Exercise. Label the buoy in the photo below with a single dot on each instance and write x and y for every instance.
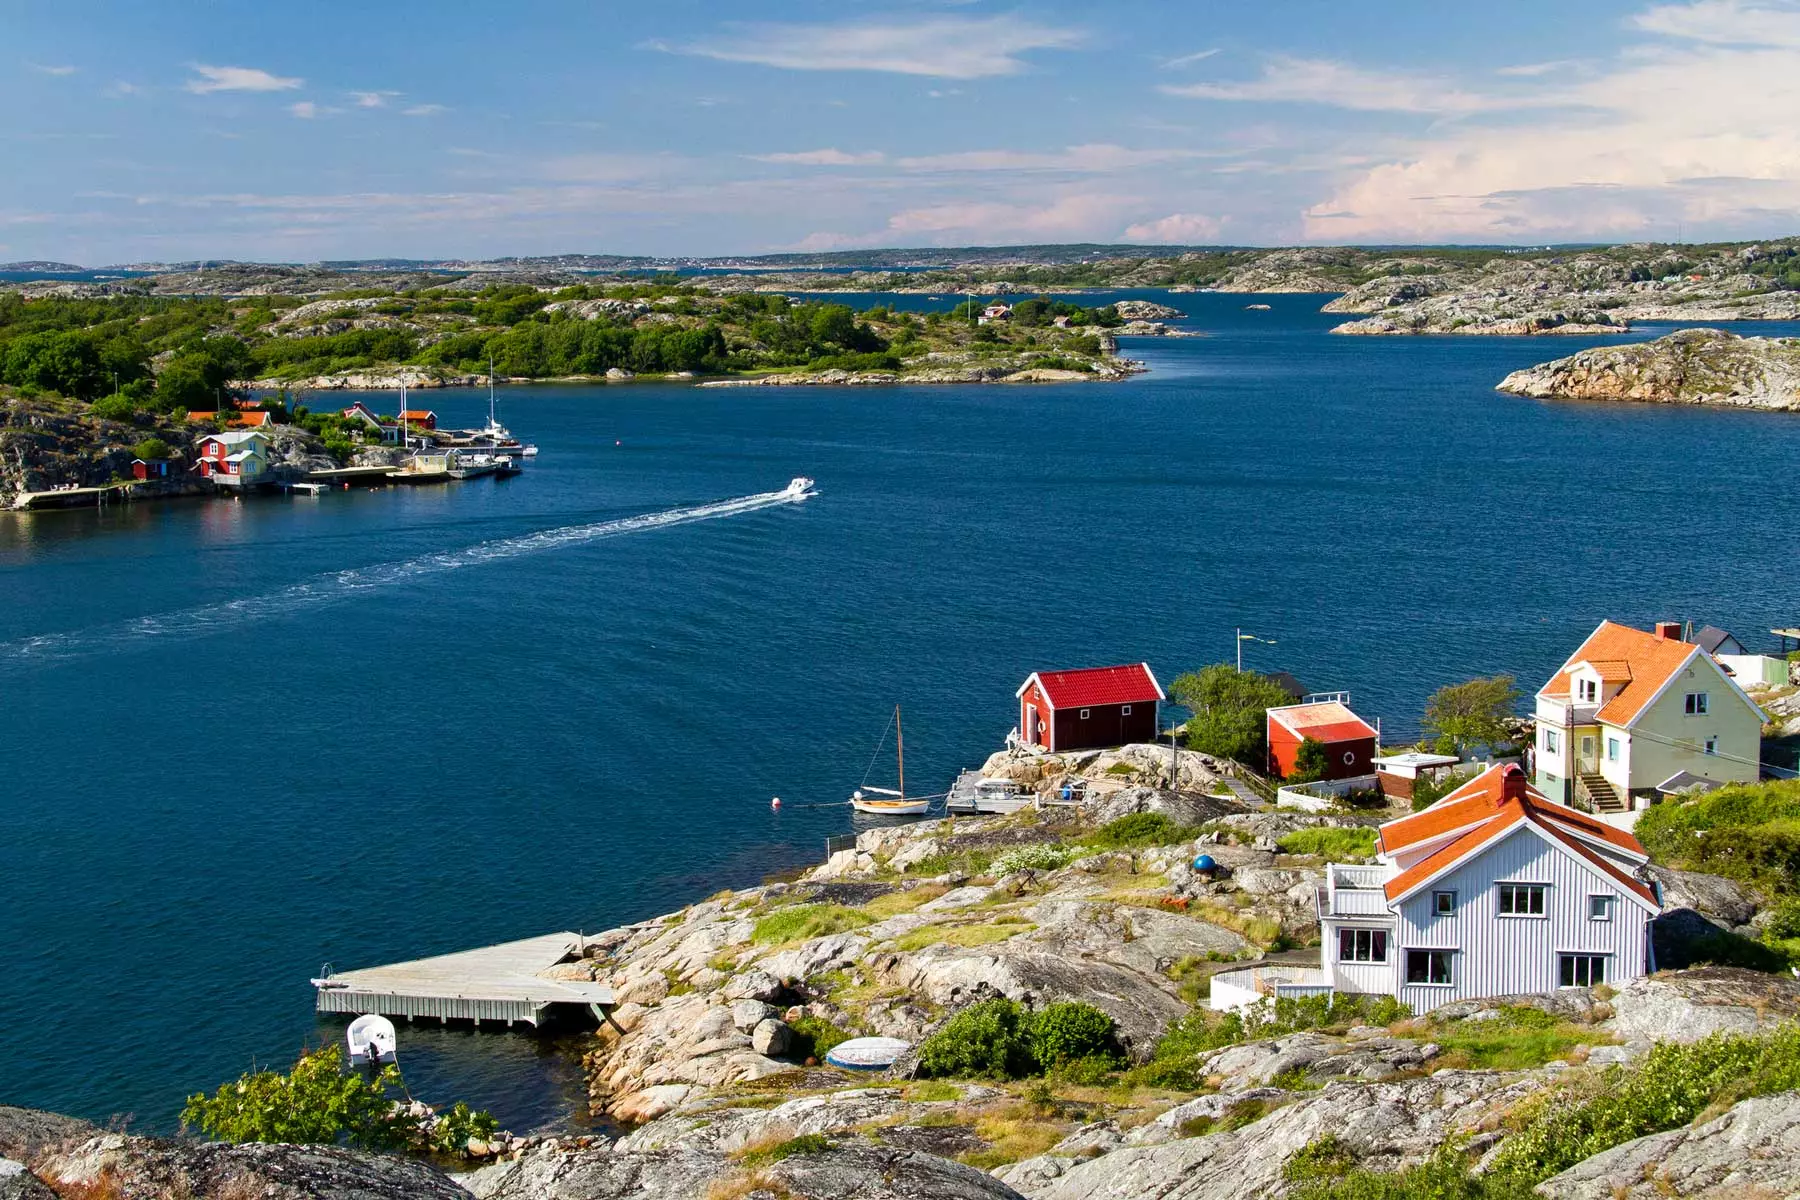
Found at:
(775, 803)
(1204, 863)
(618, 443)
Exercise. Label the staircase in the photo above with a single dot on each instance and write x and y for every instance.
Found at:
(1600, 794)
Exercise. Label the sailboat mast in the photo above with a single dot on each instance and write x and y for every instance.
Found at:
(900, 745)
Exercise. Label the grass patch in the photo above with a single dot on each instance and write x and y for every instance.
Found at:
(813, 1037)
(954, 862)
(931, 1091)
(803, 921)
(1001, 928)
(1174, 1062)
(1016, 1132)
(1264, 931)
(1518, 1038)
(773, 1152)
(1139, 831)
(1354, 842)
(893, 904)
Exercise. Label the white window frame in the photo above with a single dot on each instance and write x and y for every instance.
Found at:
(1508, 894)
(1612, 749)
(1084, 714)
(1579, 963)
(1552, 744)
(1443, 904)
(1363, 945)
(1695, 704)
(1124, 710)
(1590, 690)
(1599, 907)
(1449, 972)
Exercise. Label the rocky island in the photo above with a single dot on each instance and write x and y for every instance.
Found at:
(1692, 366)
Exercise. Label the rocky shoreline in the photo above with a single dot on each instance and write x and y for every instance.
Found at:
(1693, 366)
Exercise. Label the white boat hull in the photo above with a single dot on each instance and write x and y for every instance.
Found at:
(892, 808)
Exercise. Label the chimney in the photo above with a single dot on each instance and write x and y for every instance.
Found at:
(1512, 783)
(1669, 631)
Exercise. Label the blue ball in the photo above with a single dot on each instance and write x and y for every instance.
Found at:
(1204, 863)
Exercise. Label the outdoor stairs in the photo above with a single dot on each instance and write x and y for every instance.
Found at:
(1602, 793)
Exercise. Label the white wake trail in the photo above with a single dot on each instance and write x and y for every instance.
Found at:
(339, 585)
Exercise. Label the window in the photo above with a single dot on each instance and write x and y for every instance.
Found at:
(1552, 743)
(1587, 746)
(1443, 903)
(1590, 691)
(1084, 714)
(1612, 749)
(1599, 908)
(1694, 704)
(1362, 945)
(1124, 710)
(1581, 970)
(1522, 899)
(1428, 966)
(1712, 745)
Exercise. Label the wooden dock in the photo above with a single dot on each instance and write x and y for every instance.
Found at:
(79, 497)
(361, 476)
(495, 983)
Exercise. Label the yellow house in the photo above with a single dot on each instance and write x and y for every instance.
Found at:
(1630, 709)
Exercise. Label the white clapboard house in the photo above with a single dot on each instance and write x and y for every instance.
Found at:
(1494, 890)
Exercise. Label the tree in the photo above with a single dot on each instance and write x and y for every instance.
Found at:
(1309, 762)
(1228, 707)
(151, 448)
(1479, 712)
(317, 1103)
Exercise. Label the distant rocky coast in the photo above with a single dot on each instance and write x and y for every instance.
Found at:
(1692, 366)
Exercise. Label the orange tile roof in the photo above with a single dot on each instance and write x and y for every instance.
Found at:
(1489, 805)
(1647, 660)
(417, 414)
(1326, 721)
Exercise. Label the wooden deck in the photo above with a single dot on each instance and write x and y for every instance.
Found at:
(81, 497)
(495, 983)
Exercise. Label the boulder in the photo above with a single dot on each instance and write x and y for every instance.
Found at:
(1685, 1006)
(1751, 1150)
(1712, 896)
(26, 1133)
(770, 1038)
(16, 1183)
(754, 984)
(746, 1015)
(728, 1130)
(133, 1168)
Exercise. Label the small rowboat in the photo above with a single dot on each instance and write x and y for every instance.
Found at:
(867, 1053)
(900, 806)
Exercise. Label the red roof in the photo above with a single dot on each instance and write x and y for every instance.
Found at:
(1093, 686)
(1327, 721)
(1489, 805)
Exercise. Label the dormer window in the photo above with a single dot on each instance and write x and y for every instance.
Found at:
(1589, 689)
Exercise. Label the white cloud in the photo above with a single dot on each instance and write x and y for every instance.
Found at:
(424, 110)
(1188, 60)
(1321, 81)
(45, 69)
(1533, 70)
(830, 157)
(949, 47)
(1075, 216)
(238, 79)
(1176, 229)
(118, 89)
(1099, 158)
(306, 110)
(372, 99)
(1724, 23)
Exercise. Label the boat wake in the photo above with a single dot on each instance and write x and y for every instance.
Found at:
(341, 585)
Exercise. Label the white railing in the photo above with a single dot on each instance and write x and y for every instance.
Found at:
(1354, 891)
(1566, 715)
(1243, 989)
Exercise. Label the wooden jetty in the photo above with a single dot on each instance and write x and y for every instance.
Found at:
(494, 983)
(77, 497)
(360, 476)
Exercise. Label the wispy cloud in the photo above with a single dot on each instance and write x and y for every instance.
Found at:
(1724, 23)
(1188, 60)
(372, 99)
(47, 69)
(238, 79)
(823, 158)
(118, 89)
(1322, 81)
(1534, 70)
(949, 47)
(424, 110)
(1098, 158)
(1176, 229)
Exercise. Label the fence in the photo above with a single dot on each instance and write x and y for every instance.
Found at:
(842, 841)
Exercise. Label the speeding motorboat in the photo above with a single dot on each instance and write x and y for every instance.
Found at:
(800, 486)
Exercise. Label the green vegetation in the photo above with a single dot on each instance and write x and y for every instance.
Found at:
(813, 1037)
(1356, 842)
(1174, 1064)
(806, 1143)
(1000, 929)
(802, 921)
(1228, 707)
(1477, 713)
(1310, 763)
(1518, 1038)
(151, 448)
(317, 1103)
(1002, 1039)
(1137, 831)
(1044, 856)
(1429, 789)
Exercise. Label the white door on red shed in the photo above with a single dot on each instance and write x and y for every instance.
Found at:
(1033, 730)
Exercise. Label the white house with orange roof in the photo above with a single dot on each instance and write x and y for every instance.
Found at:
(1631, 709)
(1495, 890)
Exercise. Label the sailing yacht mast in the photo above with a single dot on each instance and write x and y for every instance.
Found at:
(900, 745)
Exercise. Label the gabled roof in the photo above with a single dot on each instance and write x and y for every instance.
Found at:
(1712, 637)
(237, 437)
(1090, 686)
(1640, 660)
(418, 414)
(1325, 721)
(1486, 808)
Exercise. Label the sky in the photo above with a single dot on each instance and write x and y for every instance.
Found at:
(141, 132)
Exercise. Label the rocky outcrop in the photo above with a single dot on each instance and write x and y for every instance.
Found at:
(1753, 1150)
(1580, 323)
(384, 379)
(1145, 310)
(841, 1172)
(1693, 366)
(1685, 1006)
(133, 1168)
(980, 371)
(27, 1134)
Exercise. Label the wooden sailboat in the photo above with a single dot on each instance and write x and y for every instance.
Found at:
(886, 802)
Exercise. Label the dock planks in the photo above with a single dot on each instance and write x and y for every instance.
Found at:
(494, 983)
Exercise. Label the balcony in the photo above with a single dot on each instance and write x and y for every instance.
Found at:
(1566, 714)
(1353, 892)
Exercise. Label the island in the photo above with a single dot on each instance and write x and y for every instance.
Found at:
(1690, 366)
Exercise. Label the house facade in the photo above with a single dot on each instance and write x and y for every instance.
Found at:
(1631, 708)
(1495, 890)
(236, 459)
(1089, 709)
(1349, 740)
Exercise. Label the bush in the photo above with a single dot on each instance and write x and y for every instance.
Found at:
(1046, 856)
(1228, 708)
(1138, 830)
(1066, 1032)
(115, 408)
(1747, 832)
(151, 447)
(1353, 842)
(803, 921)
(1429, 789)
(813, 1037)
(1310, 763)
(988, 1040)
(314, 1104)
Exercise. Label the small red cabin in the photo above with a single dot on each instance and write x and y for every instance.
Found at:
(150, 468)
(1348, 739)
(420, 418)
(1089, 709)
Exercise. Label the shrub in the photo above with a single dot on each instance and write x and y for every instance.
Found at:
(1173, 1062)
(803, 921)
(1063, 1033)
(1046, 856)
(151, 447)
(1228, 708)
(115, 408)
(988, 1040)
(1310, 763)
(806, 1143)
(813, 1037)
(1353, 842)
(1747, 832)
(1325, 1157)
(1137, 830)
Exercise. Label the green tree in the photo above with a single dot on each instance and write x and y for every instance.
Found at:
(316, 1103)
(1477, 713)
(151, 447)
(1310, 762)
(1228, 707)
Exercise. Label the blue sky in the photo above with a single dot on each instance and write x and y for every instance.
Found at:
(142, 132)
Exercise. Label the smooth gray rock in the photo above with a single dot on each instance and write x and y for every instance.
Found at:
(1753, 1150)
(156, 1169)
(16, 1183)
(1712, 896)
(1685, 1006)
(25, 1133)
(753, 985)
(746, 1015)
(771, 1038)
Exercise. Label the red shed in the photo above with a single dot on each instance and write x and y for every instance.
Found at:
(1089, 709)
(1349, 740)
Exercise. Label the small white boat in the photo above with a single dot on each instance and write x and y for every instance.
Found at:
(800, 486)
(372, 1041)
(887, 802)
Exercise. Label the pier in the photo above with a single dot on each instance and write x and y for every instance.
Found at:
(74, 497)
(495, 983)
(362, 476)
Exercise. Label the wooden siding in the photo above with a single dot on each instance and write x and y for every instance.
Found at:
(1284, 748)
(1502, 956)
(1105, 725)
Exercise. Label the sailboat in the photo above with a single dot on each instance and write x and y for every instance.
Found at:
(497, 439)
(886, 802)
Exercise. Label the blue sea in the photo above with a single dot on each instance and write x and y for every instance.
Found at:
(239, 740)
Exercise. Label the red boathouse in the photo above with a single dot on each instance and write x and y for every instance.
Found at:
(1348, 739)
(1089, 709)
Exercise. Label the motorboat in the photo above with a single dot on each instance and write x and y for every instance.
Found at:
(372, 1041)
(800, 486)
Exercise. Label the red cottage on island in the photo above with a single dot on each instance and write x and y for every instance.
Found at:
(1089, 709)
(1348, 739)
